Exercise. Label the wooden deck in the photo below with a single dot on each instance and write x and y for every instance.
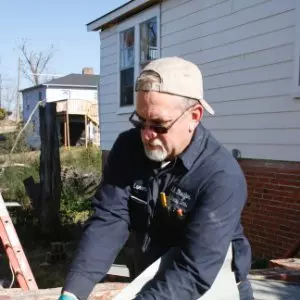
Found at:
(86, 108)
(79, 107)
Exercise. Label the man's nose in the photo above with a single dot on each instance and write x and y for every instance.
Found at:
(148, 133)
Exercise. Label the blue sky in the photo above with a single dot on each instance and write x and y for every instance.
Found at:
(43, 23)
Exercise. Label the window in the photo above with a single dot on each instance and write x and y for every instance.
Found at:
(127, 67)
(40, 96)
(138, 44)
(148, 41)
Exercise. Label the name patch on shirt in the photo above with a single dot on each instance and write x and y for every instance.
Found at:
(178, 197)
(139, 192)
(139, 187)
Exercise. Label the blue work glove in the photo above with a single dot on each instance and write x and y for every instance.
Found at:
(67, 296)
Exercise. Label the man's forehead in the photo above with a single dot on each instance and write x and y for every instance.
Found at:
(156, 99)
(157, 107)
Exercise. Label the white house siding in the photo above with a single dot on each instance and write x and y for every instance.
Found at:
(30, 100)
(55, 94)
(111, 123)
(246, 52)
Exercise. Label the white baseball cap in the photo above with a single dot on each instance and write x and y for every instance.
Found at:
(177, 77)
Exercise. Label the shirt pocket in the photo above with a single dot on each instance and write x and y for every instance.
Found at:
(138, 212)
(181, 202)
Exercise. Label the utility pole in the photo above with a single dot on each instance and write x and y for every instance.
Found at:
(18, 88)
(0, 90)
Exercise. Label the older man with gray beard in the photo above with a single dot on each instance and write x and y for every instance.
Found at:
(169, 181)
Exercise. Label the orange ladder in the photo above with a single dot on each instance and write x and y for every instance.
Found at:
(14, 251)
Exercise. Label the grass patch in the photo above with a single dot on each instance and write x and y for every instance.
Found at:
(81, 172)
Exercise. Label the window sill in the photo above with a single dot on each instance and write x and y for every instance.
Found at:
(125, 110)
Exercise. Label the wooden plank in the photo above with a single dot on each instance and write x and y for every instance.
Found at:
(243, 4)
(107, 89)
(189, 8)
(108, 40)
(181, 20)
(276, 152)
(169, 5)
(108, 60)
(104, 34)
(250, 91)
(223, 21)
(108, 79)
(284, 103)
(119, 270)
(261, 58)
(113, 117)
(108, 99)
(210, 37)
(279, 120)
(112, 127)
(259, 137)
(280, 104)
(198, 53)
(107, 108)
(112, 49)
(249, 76)
(109, 69)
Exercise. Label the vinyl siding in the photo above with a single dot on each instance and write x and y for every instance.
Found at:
(245, 50)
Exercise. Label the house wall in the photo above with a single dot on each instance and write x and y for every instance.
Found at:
(247, 51)
(30, 100)
(31, 97)
(55, 94)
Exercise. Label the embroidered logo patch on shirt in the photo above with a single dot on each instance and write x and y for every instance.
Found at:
(179, 198)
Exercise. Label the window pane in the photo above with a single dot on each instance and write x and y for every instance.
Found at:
(126, 86)
(148, 40)
(127, 48)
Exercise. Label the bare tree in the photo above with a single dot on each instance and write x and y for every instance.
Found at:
(35, 62)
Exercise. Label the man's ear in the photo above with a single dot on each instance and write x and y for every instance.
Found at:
(197, 114)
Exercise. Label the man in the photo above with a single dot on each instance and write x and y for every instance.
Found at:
(169, 181)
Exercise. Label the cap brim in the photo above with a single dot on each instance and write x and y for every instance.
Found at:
(207, 107)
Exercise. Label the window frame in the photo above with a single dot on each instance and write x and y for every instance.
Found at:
(296, 77)
(121, 68)
(135, 22)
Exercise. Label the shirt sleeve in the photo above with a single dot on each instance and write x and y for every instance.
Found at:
(209, 231)
(106, 231)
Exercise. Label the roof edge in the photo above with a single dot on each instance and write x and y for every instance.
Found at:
(57, 85)
(120, 14)
(32, 87)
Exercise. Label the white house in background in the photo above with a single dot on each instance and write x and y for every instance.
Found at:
(248, 52)
(77, 104)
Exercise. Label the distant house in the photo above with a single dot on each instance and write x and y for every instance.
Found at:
(248, 52)
(77, 107)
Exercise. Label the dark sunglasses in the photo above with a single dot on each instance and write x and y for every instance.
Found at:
(156, 128)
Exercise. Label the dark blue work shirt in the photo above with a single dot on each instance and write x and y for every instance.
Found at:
(205, 191)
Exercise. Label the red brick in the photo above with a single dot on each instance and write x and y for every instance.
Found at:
(271, 217)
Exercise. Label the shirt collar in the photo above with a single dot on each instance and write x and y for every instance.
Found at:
(195, 147)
